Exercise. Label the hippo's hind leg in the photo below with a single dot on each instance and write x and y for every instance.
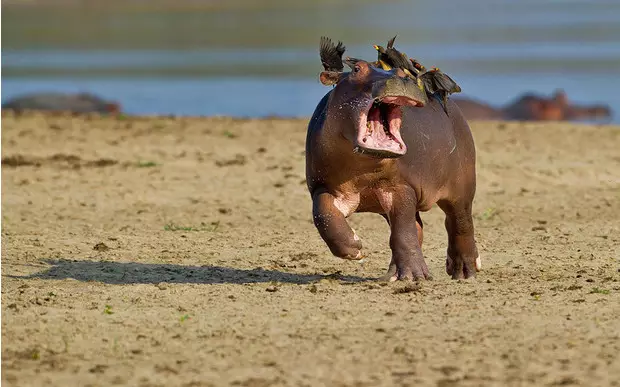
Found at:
(406, 243)
(462, 260)
(333, 227)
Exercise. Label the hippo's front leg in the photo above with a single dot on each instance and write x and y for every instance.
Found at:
(333, 227)
(407, 259)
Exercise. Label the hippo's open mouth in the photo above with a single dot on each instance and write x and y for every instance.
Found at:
(379, 127)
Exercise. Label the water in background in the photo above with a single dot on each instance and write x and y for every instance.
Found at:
(247, 59)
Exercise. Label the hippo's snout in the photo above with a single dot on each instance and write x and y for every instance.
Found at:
(593, 112)
(601, 111)
(378, 132)
(397, 86)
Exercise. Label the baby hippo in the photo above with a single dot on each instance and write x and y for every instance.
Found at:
(377, 143)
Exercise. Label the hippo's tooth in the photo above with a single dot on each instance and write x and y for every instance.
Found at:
(478, 263)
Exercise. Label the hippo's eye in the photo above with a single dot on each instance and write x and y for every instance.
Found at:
(356, 69)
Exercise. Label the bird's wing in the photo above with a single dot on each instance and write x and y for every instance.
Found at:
(331, 54)
(444, 82)
(436, 80)
(391, 42)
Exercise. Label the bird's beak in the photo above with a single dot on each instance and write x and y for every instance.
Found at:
(421, 84)
(385, 66)
(376, 47)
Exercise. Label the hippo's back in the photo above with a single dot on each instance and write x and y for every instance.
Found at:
(474, 110)
(440, 148)
(78, 103)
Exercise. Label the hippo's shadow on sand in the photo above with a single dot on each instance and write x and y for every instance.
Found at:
(149, 273)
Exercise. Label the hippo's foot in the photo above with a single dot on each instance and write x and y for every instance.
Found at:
(342, 240)
(351, 250)
(415, 270)
(463, 268)
(357, 257)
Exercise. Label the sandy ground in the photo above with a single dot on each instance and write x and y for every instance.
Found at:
(181, 252)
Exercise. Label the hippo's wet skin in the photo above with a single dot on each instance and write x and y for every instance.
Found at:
(376, 143)
(531, 107)
(59, 102)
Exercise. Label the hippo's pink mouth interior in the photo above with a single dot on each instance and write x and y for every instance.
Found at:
(379, 128)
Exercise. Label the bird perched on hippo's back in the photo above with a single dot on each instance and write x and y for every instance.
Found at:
(389, 57)
(437, 82)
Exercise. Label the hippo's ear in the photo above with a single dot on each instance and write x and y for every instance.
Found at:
(560, 97)
(329, 78)
(351, 62)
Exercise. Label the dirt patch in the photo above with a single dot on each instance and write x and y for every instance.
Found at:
(159, 267)
(19, 161)
(237, 160)
(57, 160)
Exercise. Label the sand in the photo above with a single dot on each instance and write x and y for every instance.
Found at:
(181, 252)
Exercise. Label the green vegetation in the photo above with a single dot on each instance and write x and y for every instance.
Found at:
(488, 214)
(174, 227)
(213, 226)
(229, 134)
(599, 291)
(146, 164)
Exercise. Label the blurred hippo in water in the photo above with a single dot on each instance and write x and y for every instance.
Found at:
(532, 107)
(60, 102)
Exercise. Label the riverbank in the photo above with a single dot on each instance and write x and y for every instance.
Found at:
(181, 251)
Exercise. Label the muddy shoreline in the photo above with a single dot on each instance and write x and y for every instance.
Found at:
(160, 251)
